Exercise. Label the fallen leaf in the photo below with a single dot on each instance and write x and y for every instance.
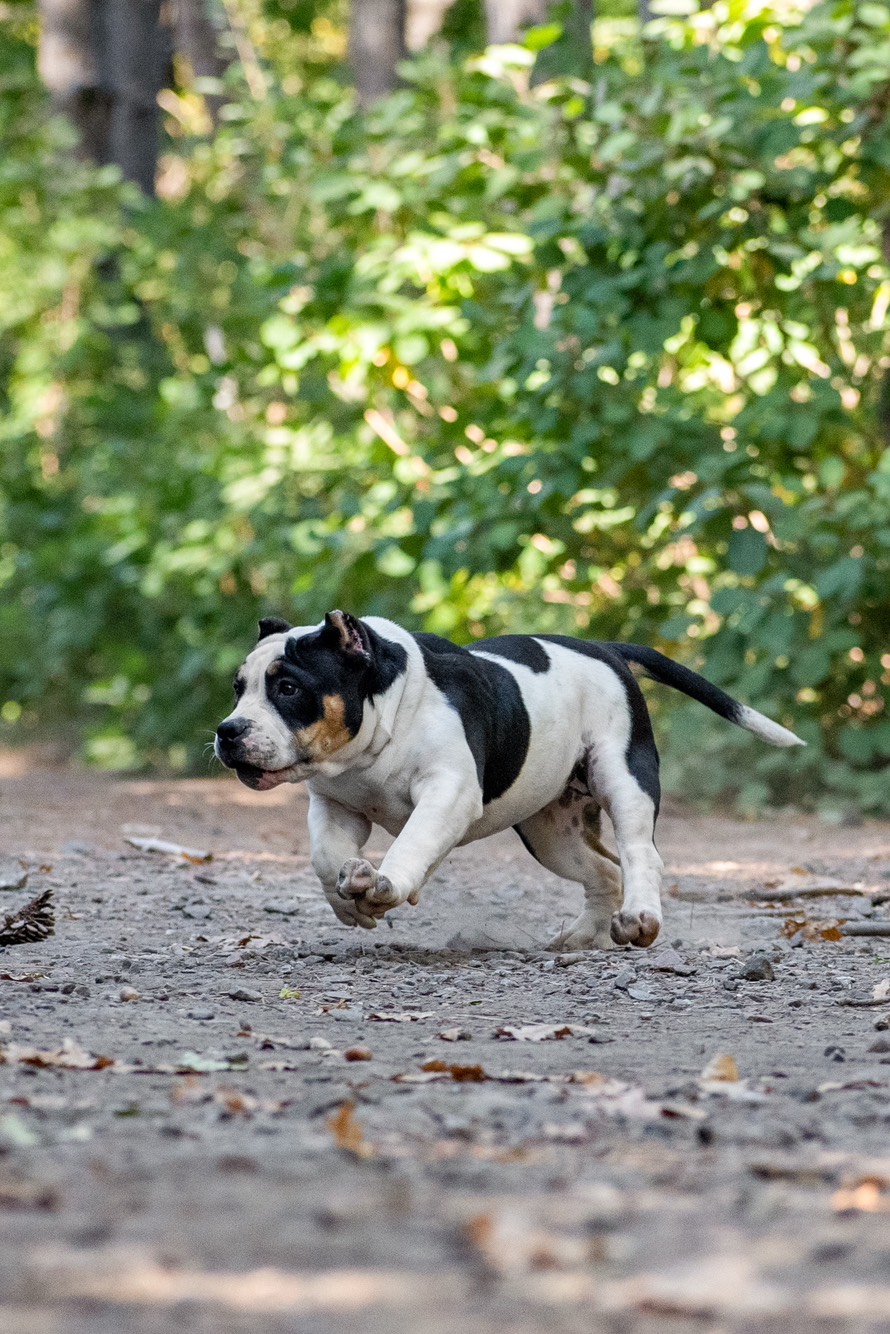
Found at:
(16, 1194)
(720, 1068)
(461, 1074)
(866, 1196)
(69, 1056)
(543, 1032)
(820, 930)
(400, 1017)
(348, 1134)
(358, 1054)
(509, 1243)
(194, 1063)
(289, 993)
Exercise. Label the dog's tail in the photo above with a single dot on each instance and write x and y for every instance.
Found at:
(673, 674)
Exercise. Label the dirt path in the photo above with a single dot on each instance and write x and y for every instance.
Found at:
(232, 1170)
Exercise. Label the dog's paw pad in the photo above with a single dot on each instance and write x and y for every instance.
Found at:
(382, 894)
(630, 928)
(356, 878)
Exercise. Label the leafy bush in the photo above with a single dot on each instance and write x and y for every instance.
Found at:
(596, 357)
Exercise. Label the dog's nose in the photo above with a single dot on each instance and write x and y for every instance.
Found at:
(232, 728)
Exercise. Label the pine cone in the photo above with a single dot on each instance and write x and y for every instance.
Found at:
(34, 922)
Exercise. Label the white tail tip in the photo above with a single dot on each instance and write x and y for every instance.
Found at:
(766, 729)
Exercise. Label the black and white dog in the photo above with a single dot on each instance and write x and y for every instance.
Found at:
(442, 745)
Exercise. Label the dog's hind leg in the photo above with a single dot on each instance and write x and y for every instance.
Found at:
(565, 837)
(625, 782)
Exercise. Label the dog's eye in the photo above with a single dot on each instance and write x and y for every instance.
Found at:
(238, 687)
(286, 688)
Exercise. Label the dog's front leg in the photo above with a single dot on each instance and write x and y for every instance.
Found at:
(336, 835)
(445, 807)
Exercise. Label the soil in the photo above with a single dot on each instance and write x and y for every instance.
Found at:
(227, 1167)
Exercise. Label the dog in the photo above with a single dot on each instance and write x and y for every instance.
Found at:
(443, 745)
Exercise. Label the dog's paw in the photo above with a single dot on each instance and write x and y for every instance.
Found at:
(635, 928)
(583, 934)
(369, 893)
(346, 911)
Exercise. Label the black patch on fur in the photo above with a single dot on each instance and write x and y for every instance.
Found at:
(518, 648)
(491, 709)
(318, 666)
(272, 625)
(641, 755)
(674, 674)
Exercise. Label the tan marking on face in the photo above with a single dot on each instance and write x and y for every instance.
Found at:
(329, 734)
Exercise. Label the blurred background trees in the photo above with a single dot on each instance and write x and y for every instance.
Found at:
(563, 335)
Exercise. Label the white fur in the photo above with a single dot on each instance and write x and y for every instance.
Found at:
(766, 729)
(410, 770)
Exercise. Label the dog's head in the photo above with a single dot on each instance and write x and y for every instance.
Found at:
(300, 697)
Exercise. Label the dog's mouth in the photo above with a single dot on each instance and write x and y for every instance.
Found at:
(263, 780)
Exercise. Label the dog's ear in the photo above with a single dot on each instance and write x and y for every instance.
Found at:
(273, 625)
(346, 633)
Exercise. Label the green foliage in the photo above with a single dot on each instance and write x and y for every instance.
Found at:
(596, 356)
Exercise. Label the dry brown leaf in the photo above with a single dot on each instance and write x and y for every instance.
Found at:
(543, 1032)
(461, 1074)
(348, 1134)
(866, 1196)
(811, 931)
(510, 1244)
(69, 1056)
(721, 1068)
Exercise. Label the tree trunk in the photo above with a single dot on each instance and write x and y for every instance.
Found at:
(198, 41)
(506, 18)
(104, 62)
(69, 69)
(424, 20)
(376, 45)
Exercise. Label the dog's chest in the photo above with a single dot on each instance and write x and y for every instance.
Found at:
(386, 802)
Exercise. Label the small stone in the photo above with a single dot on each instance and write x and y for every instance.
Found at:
(201, 1014)
(454, 1035)
(835, 1053)
(245, 994)
(358, 1054)
(880, 1045)
(129, 994)
(319, 1044)
(757, 968)
(624, 979)
(883, 1024)
(567, 960)
(667, 960)
(642, 993)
